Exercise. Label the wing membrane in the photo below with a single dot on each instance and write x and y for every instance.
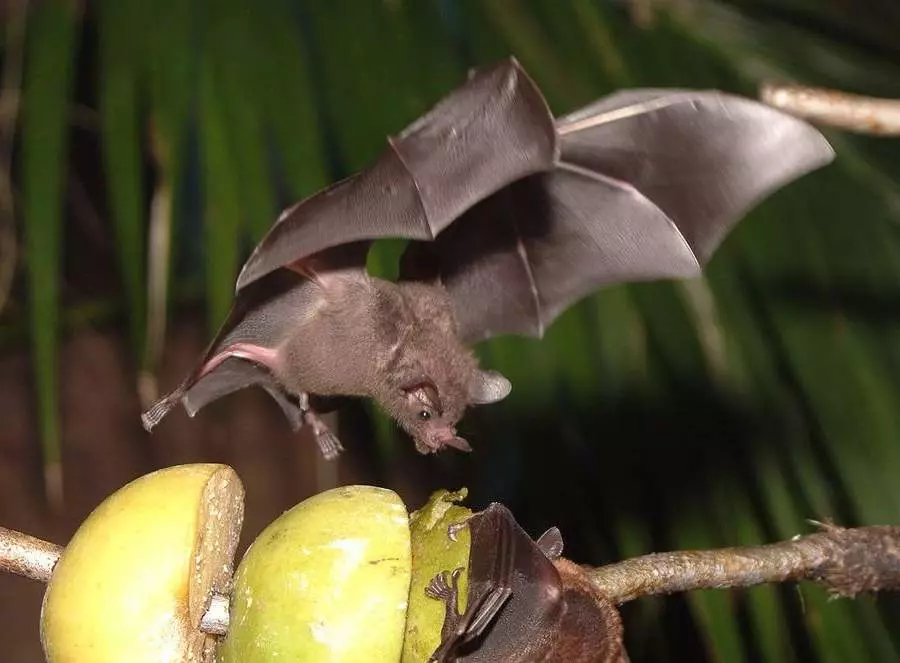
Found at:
(646, 186)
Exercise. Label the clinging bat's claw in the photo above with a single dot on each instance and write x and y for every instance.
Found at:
(441, 589)
(447, 591)
(459, 629)
(454, 528)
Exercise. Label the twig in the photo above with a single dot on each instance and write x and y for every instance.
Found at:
(868, 115)
(846, 561)
(27, 556)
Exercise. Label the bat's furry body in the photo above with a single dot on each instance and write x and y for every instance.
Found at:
(392, 336)
(518, 215)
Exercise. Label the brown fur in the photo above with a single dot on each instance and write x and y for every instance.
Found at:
(392, 336)
(591, 629)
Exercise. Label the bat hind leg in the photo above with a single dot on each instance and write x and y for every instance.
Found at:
(459, 629)
(328, 442)
(445, 587)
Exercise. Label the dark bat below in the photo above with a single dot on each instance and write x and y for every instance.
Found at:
(525, 604)
(513, 217)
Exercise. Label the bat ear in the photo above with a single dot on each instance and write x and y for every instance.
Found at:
(490, 387)
(551, 543)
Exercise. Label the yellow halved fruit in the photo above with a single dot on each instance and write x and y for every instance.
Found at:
(328, 581)
(135, 579)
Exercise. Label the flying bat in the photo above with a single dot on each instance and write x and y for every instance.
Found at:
(512, 216)
(524, 602)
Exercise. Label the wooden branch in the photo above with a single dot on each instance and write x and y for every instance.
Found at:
(846, 561)
(27, 556)
(868, 115)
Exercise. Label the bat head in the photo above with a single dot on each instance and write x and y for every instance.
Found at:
(429, 420)
(430, 414)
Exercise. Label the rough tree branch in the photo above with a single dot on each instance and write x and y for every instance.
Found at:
(851, 112)
(27, 556)
(846, 561)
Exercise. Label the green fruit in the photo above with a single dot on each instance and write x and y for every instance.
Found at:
(433, 552)
(134, 580)
(328, 581)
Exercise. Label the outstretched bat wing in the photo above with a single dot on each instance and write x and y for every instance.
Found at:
(492, 130)
(646, 185)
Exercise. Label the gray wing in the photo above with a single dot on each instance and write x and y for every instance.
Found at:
(492, 130)
(646, 186)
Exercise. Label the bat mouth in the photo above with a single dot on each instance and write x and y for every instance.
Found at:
(440, 440)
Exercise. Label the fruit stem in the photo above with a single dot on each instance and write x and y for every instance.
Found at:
(27, 556)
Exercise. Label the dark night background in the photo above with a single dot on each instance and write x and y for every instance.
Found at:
(145, 146)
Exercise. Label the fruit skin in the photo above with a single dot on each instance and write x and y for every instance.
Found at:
(328, 581)
(122, 589)
(432, 552)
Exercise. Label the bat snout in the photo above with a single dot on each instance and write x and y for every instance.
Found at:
(442, 438)
(457, 443)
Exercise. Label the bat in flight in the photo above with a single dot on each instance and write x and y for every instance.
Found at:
(524, 603)
(513, 216)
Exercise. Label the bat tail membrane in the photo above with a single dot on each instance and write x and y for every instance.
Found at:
(222, 374)
(231, 375)
(243, 353)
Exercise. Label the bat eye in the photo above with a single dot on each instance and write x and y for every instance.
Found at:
(424, 415)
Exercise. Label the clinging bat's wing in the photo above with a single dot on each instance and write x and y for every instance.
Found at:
(646, 185)
(524, 625)
(494, 129)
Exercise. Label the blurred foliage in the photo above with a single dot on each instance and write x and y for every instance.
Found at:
(720, 411)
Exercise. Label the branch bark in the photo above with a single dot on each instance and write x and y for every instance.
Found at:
(846, 561)
(27, 556)
(868, 115)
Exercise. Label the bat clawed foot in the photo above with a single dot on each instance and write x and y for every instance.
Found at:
(328, 442)
(454, 529)
(445, 586)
